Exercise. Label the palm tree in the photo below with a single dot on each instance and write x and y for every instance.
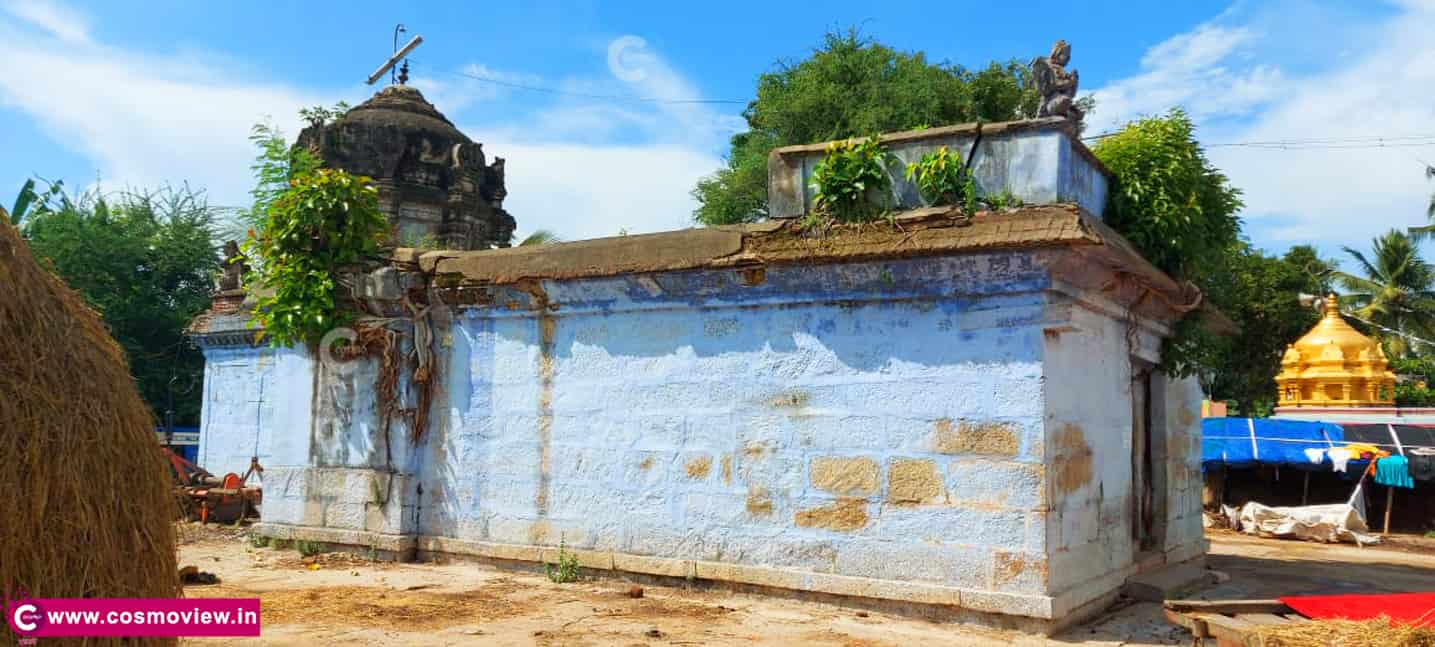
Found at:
(30, 200)
(540, 237)
(1397, 290)
(1430, 208)
(1425, 231)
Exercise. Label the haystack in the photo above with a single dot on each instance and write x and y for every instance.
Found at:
(88, 510)
(1377, 632)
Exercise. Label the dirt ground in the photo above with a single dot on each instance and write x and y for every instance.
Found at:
(350, 599)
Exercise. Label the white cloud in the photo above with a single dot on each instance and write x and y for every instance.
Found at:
(591, 165)
(1190, 70)
(1383, 87)
(59, 21)
(145, 120)
(584, 167)
(589, 191)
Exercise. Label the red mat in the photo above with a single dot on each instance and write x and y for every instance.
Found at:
(1404, 608)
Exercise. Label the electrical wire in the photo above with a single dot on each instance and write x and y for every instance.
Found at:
(586, 95)
(1394, 141)
(1389, 330)
(1329, 143)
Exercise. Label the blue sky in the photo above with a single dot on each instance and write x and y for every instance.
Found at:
(167, 93)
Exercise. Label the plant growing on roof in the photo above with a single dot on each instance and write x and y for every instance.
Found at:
(319, 115)
(274, 166)
(1003, 199)
(943, 180)
(851, 181)
(940, 178)
(325, 220)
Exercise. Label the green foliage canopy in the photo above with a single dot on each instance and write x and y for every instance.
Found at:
(852, 85)
(1261, 294)
(146, 262)
(326, 220)
(1167, 198)
(1416, 375)
(275, 164)
(540, 237)
(1180, 212)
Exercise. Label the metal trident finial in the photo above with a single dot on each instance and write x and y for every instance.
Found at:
(399, 29)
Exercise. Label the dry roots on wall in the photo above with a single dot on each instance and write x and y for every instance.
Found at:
(87, 505)
(375, 337)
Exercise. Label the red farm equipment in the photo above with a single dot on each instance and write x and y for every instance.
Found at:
(209, 498)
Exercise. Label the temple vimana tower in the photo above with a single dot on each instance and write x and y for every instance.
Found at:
(435, 184)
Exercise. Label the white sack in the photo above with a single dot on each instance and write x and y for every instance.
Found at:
(1328, 523)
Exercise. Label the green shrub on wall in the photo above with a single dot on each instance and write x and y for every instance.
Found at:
(851, 182)
(325, 220)
(941, 178)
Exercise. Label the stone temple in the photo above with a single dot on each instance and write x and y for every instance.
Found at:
(955, 412)
(434, 183)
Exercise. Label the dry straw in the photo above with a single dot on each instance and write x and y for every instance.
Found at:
(1378, 632)
(87, 508)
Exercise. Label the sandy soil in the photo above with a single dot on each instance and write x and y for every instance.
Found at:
(349, 599)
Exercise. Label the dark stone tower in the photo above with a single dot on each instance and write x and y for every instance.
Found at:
(434, 183)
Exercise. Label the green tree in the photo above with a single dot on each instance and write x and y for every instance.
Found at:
(275, 164)
(1180, 212)
(29, 197)
(540, 237)
(326, 221)
(1319, 271)
(1261, 294)
(853, 86)
(146, 262)
(1167, 198)
(1430, 207)
(1423, 232)
(1396, 291)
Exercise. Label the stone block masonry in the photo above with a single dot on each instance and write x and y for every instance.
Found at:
(879, 428)
(934, 411)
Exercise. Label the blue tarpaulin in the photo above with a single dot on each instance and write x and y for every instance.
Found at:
(1245, 442)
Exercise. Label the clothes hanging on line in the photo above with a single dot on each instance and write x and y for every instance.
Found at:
(1393, 471)
(1315, 454)
(1339, 457)
(1360, 449)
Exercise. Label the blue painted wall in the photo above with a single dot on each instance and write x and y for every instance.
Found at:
(890, 421)
(681, 415)
(256, 404)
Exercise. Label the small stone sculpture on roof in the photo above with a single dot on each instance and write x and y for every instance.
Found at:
(234, 269)
(1056, 84)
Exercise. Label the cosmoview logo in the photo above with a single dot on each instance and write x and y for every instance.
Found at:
(627, 58)
(127, 617)
(26, 617)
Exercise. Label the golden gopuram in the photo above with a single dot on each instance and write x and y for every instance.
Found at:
(1334, 365)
